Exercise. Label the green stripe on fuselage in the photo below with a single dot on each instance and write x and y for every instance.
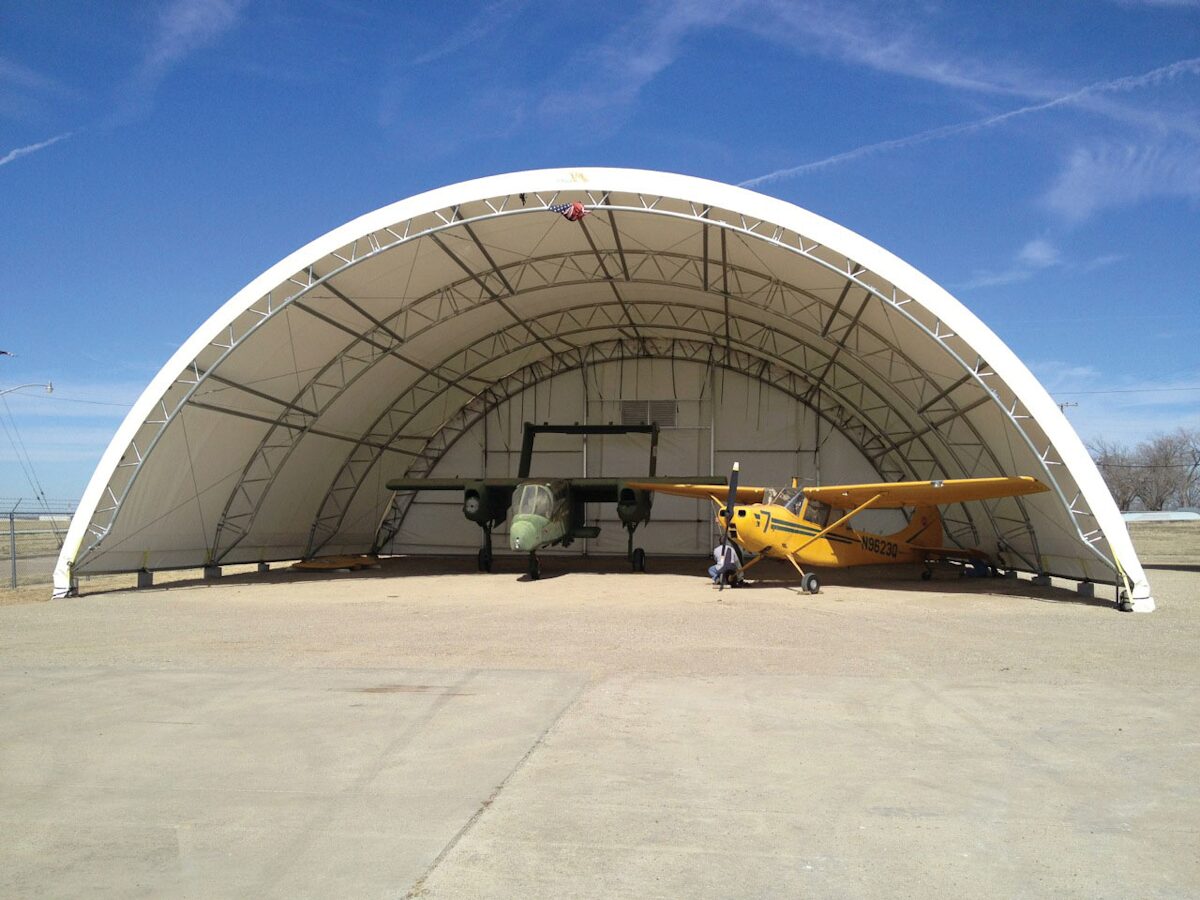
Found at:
(805, 530)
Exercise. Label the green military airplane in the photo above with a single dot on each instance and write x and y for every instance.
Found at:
(550, 511)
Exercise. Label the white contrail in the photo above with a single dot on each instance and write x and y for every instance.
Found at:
(1155, 76)
(32, 148)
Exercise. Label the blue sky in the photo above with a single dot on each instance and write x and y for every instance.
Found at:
(1040, 160)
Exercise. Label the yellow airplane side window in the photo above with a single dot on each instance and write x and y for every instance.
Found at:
(817, 512)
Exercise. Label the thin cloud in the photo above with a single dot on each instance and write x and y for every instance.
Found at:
(599, 81)
(1101, 262)
(56, 443)
(994, 279)
(1154, 77)
(1035, 257)
(184, 27)
(1097, 418)
(488, 20)
(604, 79)
(1121, 409)
(889, 44)
(1110, 175)
(1039, 253)
(613, 74)
(1160, 4)
(25, 93)
(1057, 374)
(19, 76)
(32, 148)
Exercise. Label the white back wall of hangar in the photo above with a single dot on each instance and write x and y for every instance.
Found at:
(771, 435)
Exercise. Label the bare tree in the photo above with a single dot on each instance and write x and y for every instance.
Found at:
(1165, 463)
(1120, 469)
(1189, 491)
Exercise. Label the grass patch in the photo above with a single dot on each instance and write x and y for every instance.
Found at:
(34, 538)
(1166, 543)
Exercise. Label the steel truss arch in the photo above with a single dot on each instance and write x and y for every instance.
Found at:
(276, 446)
(311, 279)
(743, 236)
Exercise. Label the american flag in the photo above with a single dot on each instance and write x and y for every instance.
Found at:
(572, 212)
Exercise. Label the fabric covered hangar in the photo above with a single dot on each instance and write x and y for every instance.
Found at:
(416, 339)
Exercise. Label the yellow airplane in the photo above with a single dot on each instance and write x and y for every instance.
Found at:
(794, 524)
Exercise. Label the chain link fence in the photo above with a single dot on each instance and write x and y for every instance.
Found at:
(31, 534)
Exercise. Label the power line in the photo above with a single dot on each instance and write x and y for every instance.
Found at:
(92, 402)
(1134, 390)
(25, 460)
(1109, 465)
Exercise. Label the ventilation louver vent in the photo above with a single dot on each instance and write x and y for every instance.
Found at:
(643, 412)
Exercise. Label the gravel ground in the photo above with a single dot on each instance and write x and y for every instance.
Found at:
(436, 612)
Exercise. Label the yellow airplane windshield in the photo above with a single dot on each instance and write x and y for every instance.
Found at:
(789, 497)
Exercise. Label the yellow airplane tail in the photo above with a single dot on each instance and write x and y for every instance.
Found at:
(924, 529)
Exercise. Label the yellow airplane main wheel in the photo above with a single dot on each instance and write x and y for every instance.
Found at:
(810, 584)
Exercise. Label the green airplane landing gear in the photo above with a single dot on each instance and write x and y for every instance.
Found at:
(635, 555)
(485, 552)
(535, 567)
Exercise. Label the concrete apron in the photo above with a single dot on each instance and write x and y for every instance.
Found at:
(317, 782)
(310, 782)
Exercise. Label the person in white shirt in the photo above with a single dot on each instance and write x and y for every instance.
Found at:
(725, 560)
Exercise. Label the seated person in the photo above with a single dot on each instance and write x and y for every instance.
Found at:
(725, 562)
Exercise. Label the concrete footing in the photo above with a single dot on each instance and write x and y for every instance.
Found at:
(1040, 581)
(145, 578)
(264, 567)
(1086, 589)
(211, 573)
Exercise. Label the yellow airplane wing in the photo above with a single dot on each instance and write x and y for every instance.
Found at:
(897, 494)
(718, 492)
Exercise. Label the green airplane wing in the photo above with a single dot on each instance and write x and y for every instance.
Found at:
(608, 490)
(450, 484)
(485, 500)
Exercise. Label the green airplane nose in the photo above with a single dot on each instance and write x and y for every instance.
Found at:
(523, 535)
